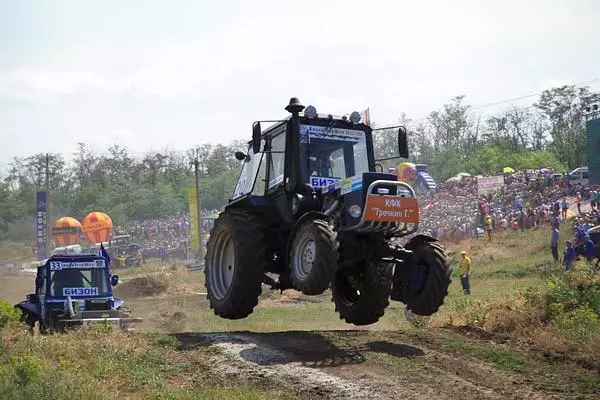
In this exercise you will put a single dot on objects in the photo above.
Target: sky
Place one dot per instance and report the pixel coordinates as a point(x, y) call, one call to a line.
point(155, 75)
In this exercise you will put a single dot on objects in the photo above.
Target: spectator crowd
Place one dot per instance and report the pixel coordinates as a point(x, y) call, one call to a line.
point(457, 211)
point(164, 238)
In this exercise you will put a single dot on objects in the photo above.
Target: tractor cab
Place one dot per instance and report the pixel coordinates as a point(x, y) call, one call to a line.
point(299, 163)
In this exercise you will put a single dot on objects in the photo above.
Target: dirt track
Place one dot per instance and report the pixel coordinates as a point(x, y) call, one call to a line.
point(374, 365)
point(348, 364)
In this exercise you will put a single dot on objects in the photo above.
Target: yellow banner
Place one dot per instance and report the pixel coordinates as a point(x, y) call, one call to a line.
point(193, 219)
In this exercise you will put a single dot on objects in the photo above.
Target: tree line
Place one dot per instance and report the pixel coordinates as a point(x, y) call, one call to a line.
point(452, 139)
point(550, 133)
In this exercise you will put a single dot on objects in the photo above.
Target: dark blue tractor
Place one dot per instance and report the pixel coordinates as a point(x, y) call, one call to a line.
point(72, 291)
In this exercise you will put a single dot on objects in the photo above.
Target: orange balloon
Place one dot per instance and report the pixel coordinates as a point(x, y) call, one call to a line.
point(65, 231)
point(406, 172)
point(97, 227)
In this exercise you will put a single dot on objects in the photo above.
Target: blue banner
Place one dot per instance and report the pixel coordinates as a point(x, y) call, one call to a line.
point(41, 222)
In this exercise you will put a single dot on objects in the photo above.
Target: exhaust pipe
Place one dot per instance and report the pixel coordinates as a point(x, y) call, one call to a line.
point(70, 306)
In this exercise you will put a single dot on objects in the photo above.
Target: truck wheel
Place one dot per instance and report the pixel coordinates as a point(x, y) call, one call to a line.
point(235, 264)
point(427, 279)
point(360, 297)
point(314, 257)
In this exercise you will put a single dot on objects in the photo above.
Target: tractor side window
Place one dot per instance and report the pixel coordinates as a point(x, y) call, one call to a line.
point(246, 180)
point(42, 289)
point(277, 160)
point(259, 184)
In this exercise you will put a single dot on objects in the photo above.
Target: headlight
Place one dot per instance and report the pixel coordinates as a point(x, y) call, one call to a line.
point(355, 211)
point(355, 117)
point(310, 112)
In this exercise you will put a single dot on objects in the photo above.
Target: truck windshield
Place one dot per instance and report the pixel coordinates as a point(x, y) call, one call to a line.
point(331, 154)
point(78, 282)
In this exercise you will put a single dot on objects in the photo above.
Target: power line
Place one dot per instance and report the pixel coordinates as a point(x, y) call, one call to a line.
point(526, 96)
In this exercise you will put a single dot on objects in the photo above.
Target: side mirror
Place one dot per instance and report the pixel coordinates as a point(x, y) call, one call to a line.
point(402, 143)
point(242, 156)
point(114, 280)
point(39, 281)
point(256, 135)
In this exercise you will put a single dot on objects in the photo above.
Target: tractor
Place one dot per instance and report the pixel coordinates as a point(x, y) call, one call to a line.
point(74, 290)
point(310, 212)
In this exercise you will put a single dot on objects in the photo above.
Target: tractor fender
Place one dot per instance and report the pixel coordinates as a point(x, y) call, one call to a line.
point(306, 217)
point(28, 308)
point(417, 240)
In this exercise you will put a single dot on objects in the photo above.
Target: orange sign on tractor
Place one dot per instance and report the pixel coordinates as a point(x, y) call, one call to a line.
point(392, 209)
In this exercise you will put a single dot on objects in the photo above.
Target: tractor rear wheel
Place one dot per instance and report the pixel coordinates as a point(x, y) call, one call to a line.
point(314, 257)
point(427, 278)
point(235, 264)
point(360, 296)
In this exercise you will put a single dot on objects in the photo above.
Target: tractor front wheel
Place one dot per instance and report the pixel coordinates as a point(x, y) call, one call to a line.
point(314, 257)
point(362, 295)
point(235, 264)
point(427, 279)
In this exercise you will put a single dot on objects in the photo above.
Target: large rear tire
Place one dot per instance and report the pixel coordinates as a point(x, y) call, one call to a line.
point(314, 257)
point(427, 279)
point(235, 264)
point(360, 296)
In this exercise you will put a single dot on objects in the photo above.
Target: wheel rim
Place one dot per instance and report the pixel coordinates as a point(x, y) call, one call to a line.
point(222, 266)
point(305, 255)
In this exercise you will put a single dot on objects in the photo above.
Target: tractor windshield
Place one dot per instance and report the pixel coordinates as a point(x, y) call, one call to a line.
point(331, 154)
point(79, 282)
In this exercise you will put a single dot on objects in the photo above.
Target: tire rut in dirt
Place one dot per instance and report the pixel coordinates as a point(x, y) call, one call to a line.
point(431, 258)
point(325, 255)
point(255, 355)
point(236, 239)
point(364, 302)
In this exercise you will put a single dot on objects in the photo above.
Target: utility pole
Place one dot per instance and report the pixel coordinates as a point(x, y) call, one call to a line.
point(198, 215)
point(47, 189)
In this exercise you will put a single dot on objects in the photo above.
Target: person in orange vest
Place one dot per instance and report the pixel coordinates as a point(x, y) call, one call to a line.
point(578, 200)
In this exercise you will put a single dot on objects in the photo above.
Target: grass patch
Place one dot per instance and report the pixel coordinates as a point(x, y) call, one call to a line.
point(96, 364)
point(506, 360)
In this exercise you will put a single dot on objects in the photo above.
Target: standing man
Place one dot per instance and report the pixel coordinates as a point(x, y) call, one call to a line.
point(465, 271)
point(564, 207)
point(554, 243)
point(488, 227)
point(569, 256)
point(589, 252)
